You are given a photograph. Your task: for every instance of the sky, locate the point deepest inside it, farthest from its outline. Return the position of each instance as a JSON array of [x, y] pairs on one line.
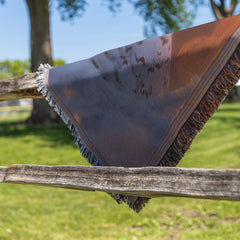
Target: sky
[[96, 31]]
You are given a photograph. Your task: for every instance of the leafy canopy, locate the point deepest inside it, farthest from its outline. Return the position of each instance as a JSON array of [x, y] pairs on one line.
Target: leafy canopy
[[165, 15]]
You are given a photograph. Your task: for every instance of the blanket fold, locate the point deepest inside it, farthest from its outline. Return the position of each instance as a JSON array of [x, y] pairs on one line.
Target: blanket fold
[[142, 104]]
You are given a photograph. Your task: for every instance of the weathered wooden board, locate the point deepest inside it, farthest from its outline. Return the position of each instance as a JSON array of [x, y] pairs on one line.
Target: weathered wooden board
[[24, 86], [148, 181]]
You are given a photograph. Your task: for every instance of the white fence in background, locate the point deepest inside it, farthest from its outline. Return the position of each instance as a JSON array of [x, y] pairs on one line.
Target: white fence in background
[[12, 107]]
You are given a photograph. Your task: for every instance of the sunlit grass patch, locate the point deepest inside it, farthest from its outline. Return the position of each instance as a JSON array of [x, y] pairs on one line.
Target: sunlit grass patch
[[33, 212]]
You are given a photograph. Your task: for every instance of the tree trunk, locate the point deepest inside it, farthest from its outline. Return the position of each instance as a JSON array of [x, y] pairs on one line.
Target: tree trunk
[[220, 11], [40, 53]]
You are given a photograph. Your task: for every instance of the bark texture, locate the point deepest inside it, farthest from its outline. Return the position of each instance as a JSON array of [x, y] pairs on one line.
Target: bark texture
[[220, 11], [40, 53]]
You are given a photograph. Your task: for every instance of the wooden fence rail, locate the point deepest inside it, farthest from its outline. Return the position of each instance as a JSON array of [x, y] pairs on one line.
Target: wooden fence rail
[[24, 86], [146, 182]]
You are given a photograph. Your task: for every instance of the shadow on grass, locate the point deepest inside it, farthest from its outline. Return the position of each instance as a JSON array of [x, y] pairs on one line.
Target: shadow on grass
[[60, 135], [57, 135], [234, 110], [233, 120]]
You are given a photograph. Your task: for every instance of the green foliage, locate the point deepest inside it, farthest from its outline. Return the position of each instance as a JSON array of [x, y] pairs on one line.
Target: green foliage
[[164, 15], [168, 15], [71, 8], [9, 69], [34, 212], [58, 62], [4, 75], [13, 68]]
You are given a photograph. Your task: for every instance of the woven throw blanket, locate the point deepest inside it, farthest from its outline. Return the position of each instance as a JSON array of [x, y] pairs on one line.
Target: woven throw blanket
[[142, 104]]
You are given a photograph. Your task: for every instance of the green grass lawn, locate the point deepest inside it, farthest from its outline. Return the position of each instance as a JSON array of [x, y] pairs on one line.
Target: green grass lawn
[[34, 212]]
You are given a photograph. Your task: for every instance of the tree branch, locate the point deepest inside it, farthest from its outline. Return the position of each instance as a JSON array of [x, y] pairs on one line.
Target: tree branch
[[220, 11], [216, 10], [223, 4], [146, 182], [233, 6], [24, 86]]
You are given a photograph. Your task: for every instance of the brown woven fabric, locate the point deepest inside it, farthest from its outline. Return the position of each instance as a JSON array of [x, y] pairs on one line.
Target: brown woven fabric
[[137, 105]]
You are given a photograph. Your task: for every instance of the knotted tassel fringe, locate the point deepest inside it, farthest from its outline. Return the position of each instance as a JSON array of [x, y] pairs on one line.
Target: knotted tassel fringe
[[210, 102], [217, 92], [88, 154]]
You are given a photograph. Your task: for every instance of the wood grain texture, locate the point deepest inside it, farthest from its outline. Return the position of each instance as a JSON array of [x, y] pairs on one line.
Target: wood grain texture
[[147, 182], [24, 86]]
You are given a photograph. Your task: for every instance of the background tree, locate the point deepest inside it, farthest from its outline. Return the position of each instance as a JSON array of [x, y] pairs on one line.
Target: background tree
[[167, 16], [40, 53], [221, 9]]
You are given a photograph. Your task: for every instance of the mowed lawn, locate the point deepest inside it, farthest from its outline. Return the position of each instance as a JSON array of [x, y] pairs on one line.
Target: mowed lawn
[[34, 212]]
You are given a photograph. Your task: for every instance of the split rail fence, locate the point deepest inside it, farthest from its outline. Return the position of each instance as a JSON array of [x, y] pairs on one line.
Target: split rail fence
[[147, 181]]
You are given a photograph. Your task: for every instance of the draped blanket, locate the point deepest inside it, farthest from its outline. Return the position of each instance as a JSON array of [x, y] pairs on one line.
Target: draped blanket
[[142, 104]]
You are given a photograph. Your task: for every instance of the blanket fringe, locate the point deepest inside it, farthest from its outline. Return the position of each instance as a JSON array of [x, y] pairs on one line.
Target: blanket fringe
[[88, 154], [210, 102], [217, 92], [41, 87]]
